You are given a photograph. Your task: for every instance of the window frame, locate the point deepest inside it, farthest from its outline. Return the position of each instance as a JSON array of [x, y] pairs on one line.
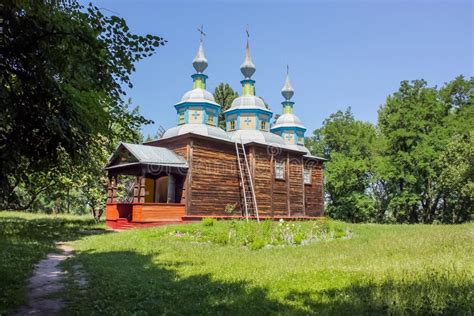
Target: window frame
[[279, 164], [310, 176], [181, 119], [210, 119]]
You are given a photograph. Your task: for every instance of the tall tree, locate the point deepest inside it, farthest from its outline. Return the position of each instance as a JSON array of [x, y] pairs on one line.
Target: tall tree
[[347, 143], [415, 166], [224, 95], [409, 120], [62, 69]]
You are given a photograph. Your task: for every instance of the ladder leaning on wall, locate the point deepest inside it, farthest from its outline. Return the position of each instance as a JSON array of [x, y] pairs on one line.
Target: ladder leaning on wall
[[250, 201]]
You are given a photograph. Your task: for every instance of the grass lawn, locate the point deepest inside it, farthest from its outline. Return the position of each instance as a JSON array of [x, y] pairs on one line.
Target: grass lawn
[[196, 269], [24, 240], [229, 268]]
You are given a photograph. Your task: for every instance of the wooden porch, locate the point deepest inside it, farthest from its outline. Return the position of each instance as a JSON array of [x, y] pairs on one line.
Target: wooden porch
[[130, 215]]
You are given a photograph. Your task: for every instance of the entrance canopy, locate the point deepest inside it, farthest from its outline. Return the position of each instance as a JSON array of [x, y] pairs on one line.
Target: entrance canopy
[[133, 159]]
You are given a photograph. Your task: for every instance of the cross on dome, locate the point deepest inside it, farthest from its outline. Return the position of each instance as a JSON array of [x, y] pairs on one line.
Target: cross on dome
[[200, 61], [248, 67]]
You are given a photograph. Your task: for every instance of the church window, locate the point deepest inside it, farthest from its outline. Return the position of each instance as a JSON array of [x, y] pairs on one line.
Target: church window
[[307, 176], [232, 125], [300, 140], [263, 125], [279, 170], [210, 119], [181, 118]]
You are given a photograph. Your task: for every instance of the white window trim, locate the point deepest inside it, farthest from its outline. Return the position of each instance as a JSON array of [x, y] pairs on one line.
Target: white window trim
[[283, 167], [304, 175]]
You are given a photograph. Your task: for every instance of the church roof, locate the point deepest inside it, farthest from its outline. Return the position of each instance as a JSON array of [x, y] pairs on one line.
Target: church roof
[[251, 135], [200, 129], [152, 155], [248, 102], [198, 96], [288, 120]]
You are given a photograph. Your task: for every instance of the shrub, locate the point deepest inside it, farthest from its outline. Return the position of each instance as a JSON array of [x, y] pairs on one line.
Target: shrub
[[208, 222], [230, 208]]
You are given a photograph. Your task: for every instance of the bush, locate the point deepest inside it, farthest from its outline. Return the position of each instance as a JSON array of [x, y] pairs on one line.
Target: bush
[[208, 222], [256, 235], [230, 208]]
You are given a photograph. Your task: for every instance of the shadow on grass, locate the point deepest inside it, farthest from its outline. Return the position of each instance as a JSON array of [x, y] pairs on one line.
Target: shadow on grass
[[431, 296], [126, 282], [24, 242]]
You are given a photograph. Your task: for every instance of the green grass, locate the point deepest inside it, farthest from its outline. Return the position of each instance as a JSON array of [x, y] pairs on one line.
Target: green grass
[[24, 240], [238, 268], [198, 269]]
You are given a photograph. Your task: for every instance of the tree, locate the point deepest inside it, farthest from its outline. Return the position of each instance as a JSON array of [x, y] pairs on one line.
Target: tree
[[457, 179], [62, 69], [415, 166], [413, 122], [224, 95], [347, 143]]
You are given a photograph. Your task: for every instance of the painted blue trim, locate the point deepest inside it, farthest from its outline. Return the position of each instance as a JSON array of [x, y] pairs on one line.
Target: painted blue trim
[[257, 111], [186, 116], [197, 104], [252, 82], [197, 75], [288, 128]]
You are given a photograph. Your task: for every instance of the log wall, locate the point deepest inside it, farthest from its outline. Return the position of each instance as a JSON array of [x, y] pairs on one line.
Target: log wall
[[314, 192], [215, 180]]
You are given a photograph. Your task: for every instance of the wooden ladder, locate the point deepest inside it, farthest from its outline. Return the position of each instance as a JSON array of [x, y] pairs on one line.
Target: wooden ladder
[[250, 201]]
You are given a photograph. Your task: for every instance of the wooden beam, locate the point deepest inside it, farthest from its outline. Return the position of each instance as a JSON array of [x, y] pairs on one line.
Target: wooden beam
[[142, 190], [136, 190], [114, 189], [109, 190], [302, 180], [189, 184], [272, 180], [288, 183]]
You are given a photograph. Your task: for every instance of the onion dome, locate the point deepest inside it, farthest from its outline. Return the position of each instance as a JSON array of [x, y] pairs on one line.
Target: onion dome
[[198, 95], [198, 112], [248, 102], [287, 90], [200, 61], [288, 120], [288, 125], [248, 118], [248, 67]]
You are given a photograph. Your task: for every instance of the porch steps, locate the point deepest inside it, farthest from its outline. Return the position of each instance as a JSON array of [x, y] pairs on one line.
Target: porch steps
[[123, 223]]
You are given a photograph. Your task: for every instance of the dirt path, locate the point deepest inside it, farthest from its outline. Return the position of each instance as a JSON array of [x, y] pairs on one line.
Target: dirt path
[[47, 279]]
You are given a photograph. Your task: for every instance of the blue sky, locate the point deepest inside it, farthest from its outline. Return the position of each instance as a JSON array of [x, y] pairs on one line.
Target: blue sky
[[341, 53]]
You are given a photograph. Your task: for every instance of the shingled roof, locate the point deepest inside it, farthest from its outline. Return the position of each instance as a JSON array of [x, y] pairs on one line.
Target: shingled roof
[[145, 154]]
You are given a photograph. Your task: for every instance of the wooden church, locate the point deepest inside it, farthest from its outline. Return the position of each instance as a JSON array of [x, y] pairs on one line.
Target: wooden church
[[196, 169]]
